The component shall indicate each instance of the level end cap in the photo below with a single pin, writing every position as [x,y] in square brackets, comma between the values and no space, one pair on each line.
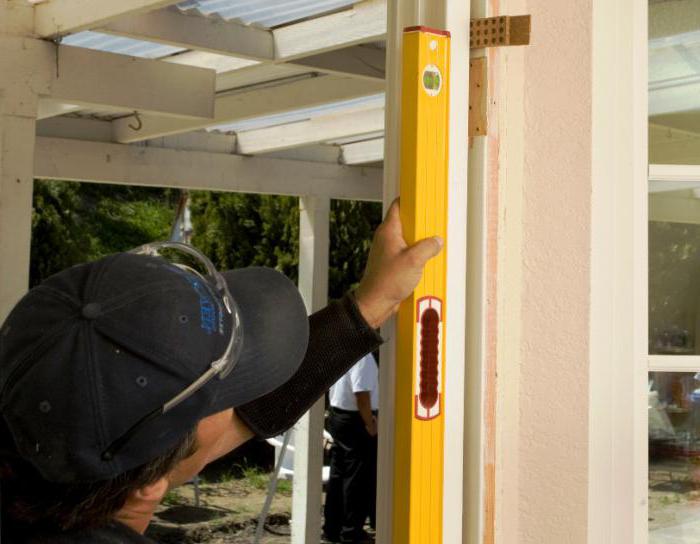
[429,30]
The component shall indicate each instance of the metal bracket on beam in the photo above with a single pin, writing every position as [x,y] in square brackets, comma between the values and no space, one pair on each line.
[499,31]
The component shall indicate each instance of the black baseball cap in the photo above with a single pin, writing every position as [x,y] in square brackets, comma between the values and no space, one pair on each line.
[86,354]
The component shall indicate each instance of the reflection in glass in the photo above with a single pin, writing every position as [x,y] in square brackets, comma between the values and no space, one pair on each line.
[674,457]
[674,288]
[674,82]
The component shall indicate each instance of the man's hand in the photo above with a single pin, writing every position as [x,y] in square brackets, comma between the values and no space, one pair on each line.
[373,427]
[364,407]
[393,269]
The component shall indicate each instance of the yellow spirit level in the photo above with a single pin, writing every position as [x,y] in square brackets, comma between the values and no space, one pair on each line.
[420,354]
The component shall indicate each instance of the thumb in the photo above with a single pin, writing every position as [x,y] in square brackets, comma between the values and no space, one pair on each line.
[421,252]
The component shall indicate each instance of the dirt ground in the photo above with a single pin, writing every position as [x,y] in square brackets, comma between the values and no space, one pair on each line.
[227,514]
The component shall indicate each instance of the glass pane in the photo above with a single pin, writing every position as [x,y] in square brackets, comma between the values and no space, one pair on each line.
[674,282]
[674,457]
[674,82]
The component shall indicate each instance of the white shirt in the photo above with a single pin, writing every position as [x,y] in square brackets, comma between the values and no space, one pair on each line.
[364,376]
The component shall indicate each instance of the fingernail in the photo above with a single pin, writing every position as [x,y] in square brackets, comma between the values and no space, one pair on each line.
[439,240]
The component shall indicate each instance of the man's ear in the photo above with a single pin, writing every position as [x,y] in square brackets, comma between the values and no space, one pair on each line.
[141,504]
[152,492]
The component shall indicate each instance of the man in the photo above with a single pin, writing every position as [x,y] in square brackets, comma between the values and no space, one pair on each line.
[351,491]
[122,378]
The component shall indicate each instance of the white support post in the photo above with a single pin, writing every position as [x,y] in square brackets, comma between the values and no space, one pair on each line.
[451,15]
[618,389]
[17,128]
[308,436]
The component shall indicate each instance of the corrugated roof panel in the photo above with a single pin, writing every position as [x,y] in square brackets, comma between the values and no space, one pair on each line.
[118,44]
[204,59]
[264,13]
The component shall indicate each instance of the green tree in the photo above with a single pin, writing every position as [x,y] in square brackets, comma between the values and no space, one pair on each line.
[80,222]
[352,225]
[237,230]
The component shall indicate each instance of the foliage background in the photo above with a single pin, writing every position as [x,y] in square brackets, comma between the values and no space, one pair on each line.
[79,222]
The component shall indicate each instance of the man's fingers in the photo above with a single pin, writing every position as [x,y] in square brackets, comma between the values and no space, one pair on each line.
[421,252]
[392,220]
[393,211]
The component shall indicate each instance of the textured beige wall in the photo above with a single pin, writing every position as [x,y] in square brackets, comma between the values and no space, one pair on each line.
[555,249]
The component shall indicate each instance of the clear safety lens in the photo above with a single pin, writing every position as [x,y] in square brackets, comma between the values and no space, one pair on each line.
[193,261]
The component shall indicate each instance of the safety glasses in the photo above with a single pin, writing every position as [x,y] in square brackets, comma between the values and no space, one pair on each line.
[200,272]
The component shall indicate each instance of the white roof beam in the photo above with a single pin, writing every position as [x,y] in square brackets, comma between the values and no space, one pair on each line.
[61,17]
[76,128]
[138,165]
[258,74]
[323,44]
[80,128]
[254,102]
[201,33]
[311,131]
[364,152]
[95,79]
[48,107]
[358,60]
[364,23]
[312,153]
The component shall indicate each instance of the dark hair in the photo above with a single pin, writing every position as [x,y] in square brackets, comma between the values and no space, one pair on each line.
[28,500]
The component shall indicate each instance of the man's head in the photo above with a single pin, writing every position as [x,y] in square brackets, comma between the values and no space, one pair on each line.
[31,501]
[89,359]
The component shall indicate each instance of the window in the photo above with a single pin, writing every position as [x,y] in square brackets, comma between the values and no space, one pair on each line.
[674,272]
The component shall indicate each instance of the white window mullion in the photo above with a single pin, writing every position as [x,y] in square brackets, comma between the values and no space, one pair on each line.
[674,363]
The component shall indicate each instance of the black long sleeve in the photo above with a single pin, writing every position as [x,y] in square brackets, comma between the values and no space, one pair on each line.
[338,338]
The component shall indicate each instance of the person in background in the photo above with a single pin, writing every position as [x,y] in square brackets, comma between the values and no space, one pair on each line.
[351,490]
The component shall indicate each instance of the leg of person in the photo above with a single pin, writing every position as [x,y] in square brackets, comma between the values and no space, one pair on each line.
[356,484]
[372,484]
[333,507]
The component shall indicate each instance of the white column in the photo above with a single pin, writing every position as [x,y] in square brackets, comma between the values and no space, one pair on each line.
[308,433]
[451,15]
[17,136]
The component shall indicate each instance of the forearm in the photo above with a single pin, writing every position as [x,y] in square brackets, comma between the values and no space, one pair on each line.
[338,337]
[364,406]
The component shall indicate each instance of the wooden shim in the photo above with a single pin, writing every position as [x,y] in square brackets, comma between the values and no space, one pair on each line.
[478,121]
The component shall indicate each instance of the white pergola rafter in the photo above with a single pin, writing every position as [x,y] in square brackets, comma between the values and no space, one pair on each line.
[87,78]
[312,131]
[363,23]
[363,152]
[193,32]
[334,48]
[254,102]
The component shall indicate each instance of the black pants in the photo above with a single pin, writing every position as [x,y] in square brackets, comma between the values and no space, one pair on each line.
[351,491]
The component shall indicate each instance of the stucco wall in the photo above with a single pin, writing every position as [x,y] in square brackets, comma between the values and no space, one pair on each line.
[551,470]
